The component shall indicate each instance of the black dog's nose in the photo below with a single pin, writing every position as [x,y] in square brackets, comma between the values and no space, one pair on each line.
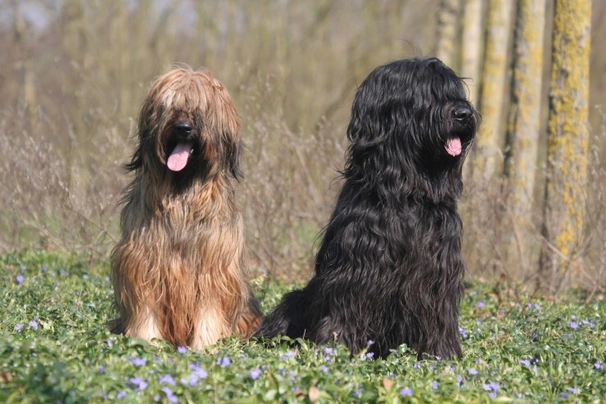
[183,127]
[462,113]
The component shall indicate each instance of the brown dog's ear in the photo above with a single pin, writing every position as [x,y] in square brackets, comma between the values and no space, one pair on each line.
[144,137]
[233,148]
[229,129]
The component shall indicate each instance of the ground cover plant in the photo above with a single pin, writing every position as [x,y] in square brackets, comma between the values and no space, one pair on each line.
[55,347]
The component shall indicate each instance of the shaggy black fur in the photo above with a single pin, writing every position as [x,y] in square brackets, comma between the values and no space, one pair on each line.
[389,268]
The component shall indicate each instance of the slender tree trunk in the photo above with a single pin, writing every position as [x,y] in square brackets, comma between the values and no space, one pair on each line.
[522,135]
[471,50]
[488,144]
[448,31]
[568,143]
[481,213]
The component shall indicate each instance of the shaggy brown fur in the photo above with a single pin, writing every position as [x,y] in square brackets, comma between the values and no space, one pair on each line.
[178,268]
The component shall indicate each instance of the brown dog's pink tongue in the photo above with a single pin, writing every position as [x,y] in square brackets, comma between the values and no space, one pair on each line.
[453,146]
[178,158]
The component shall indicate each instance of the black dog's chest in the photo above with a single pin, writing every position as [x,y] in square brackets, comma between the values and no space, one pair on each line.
[430,220]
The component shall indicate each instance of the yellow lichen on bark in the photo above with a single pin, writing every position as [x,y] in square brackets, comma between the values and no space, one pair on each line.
[568,143]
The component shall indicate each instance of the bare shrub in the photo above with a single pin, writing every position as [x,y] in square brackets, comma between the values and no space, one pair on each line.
[286,198]
[56,198]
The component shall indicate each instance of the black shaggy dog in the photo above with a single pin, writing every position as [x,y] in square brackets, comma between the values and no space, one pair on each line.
[389,269]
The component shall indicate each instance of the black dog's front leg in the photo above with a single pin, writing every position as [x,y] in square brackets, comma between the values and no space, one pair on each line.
[289,318]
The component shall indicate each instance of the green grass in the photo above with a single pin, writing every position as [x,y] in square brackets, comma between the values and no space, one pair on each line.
[54,347]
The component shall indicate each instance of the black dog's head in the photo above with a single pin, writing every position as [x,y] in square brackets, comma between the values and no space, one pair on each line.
[188,127]
[411,123]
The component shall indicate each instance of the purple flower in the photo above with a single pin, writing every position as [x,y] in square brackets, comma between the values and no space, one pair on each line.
[255,373]
[481,303]
[200,372]
[472,371]
[435,385]
[224,361]
[462,332]
[288,354]
[138,362]
[138,383]
[459,380]
[492,386]
[535,306]
[598,365]
[358,392]
[182,349]
[109,342]
[101,369]
[369,355]
[19,327]
[570,389]
[525,362]
[19,279]
[33,324]
[166,379]
[62,272]
[196,374]
[44,268]
[574,325]
[121,394]
[324,369]
[170,395]
[417,365]
[190,380]
[329,351]
[370,342]
[406,392]
[586,322]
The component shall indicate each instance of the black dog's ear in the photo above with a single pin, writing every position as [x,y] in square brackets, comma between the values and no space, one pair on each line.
[369,118]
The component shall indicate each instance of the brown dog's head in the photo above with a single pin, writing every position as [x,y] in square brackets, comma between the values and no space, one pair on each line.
[188,126]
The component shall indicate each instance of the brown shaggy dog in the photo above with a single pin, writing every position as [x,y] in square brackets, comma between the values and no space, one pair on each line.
[178,268]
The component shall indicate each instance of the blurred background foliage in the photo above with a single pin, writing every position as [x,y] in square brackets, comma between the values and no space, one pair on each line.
[73,74]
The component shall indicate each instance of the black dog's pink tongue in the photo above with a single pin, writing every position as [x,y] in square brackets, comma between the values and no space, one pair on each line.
[178,158]
[453,146]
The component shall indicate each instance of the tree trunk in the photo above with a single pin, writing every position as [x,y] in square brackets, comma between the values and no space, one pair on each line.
[471,51]
[568,143]
[448,31]
[483,188]
[522,137]
[488,146]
